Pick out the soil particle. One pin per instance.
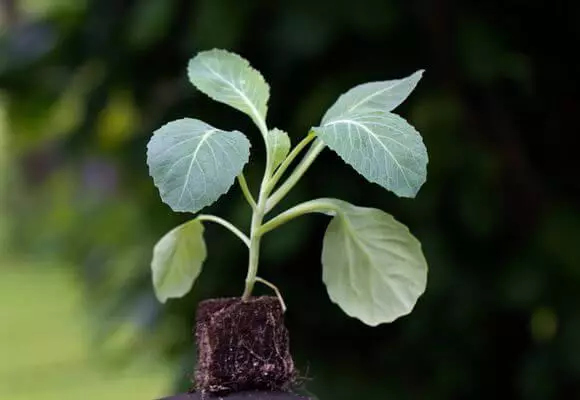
(242, 346)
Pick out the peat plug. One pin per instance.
(242, 345)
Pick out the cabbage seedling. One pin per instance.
(373, 268)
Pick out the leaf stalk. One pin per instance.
(295, 176)
(227, 225)
(325, 206)
(288, 160)
(246, 191)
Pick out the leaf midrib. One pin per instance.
(377, 93)
(376, 137)
(203, 139)
(250, 104)
(368, 255)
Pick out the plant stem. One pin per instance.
(246, 191)
(264, 204)
(226, 224)
(326, 206)
(302, 167)
(254, 256)
(257, 216)
(288, 160)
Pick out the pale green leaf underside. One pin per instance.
(384, 95)
(229, 78)
(278, 146)
(381, 146)
(193, 163)
(373, 268)
(177, 260)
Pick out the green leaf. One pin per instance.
(177, 260)
(193, 163)
(381, 146)
(229, 78)
(278, 145)
(373, 268)
(385, 95)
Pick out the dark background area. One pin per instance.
(84, 84)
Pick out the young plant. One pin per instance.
(373, 268)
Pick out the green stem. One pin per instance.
(326, 206)
(257, 218)
(226, 224)
(295, 176)
(254, 256)
(288, 160)
(246, 191)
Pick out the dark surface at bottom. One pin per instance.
(241, 396)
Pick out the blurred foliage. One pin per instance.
(60, 363)
(84, 83)
(3, 176)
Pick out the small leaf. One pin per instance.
(177, 260)
(228, 78)
(373, 268)
(381, 146)
(193, 163)
(385, 95)
(278, 146)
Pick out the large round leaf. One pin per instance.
(193, 163)
(373, 268)
(177, 260)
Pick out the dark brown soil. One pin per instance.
(242, 346)
(242, 396)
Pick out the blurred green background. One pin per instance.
(83, 84)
